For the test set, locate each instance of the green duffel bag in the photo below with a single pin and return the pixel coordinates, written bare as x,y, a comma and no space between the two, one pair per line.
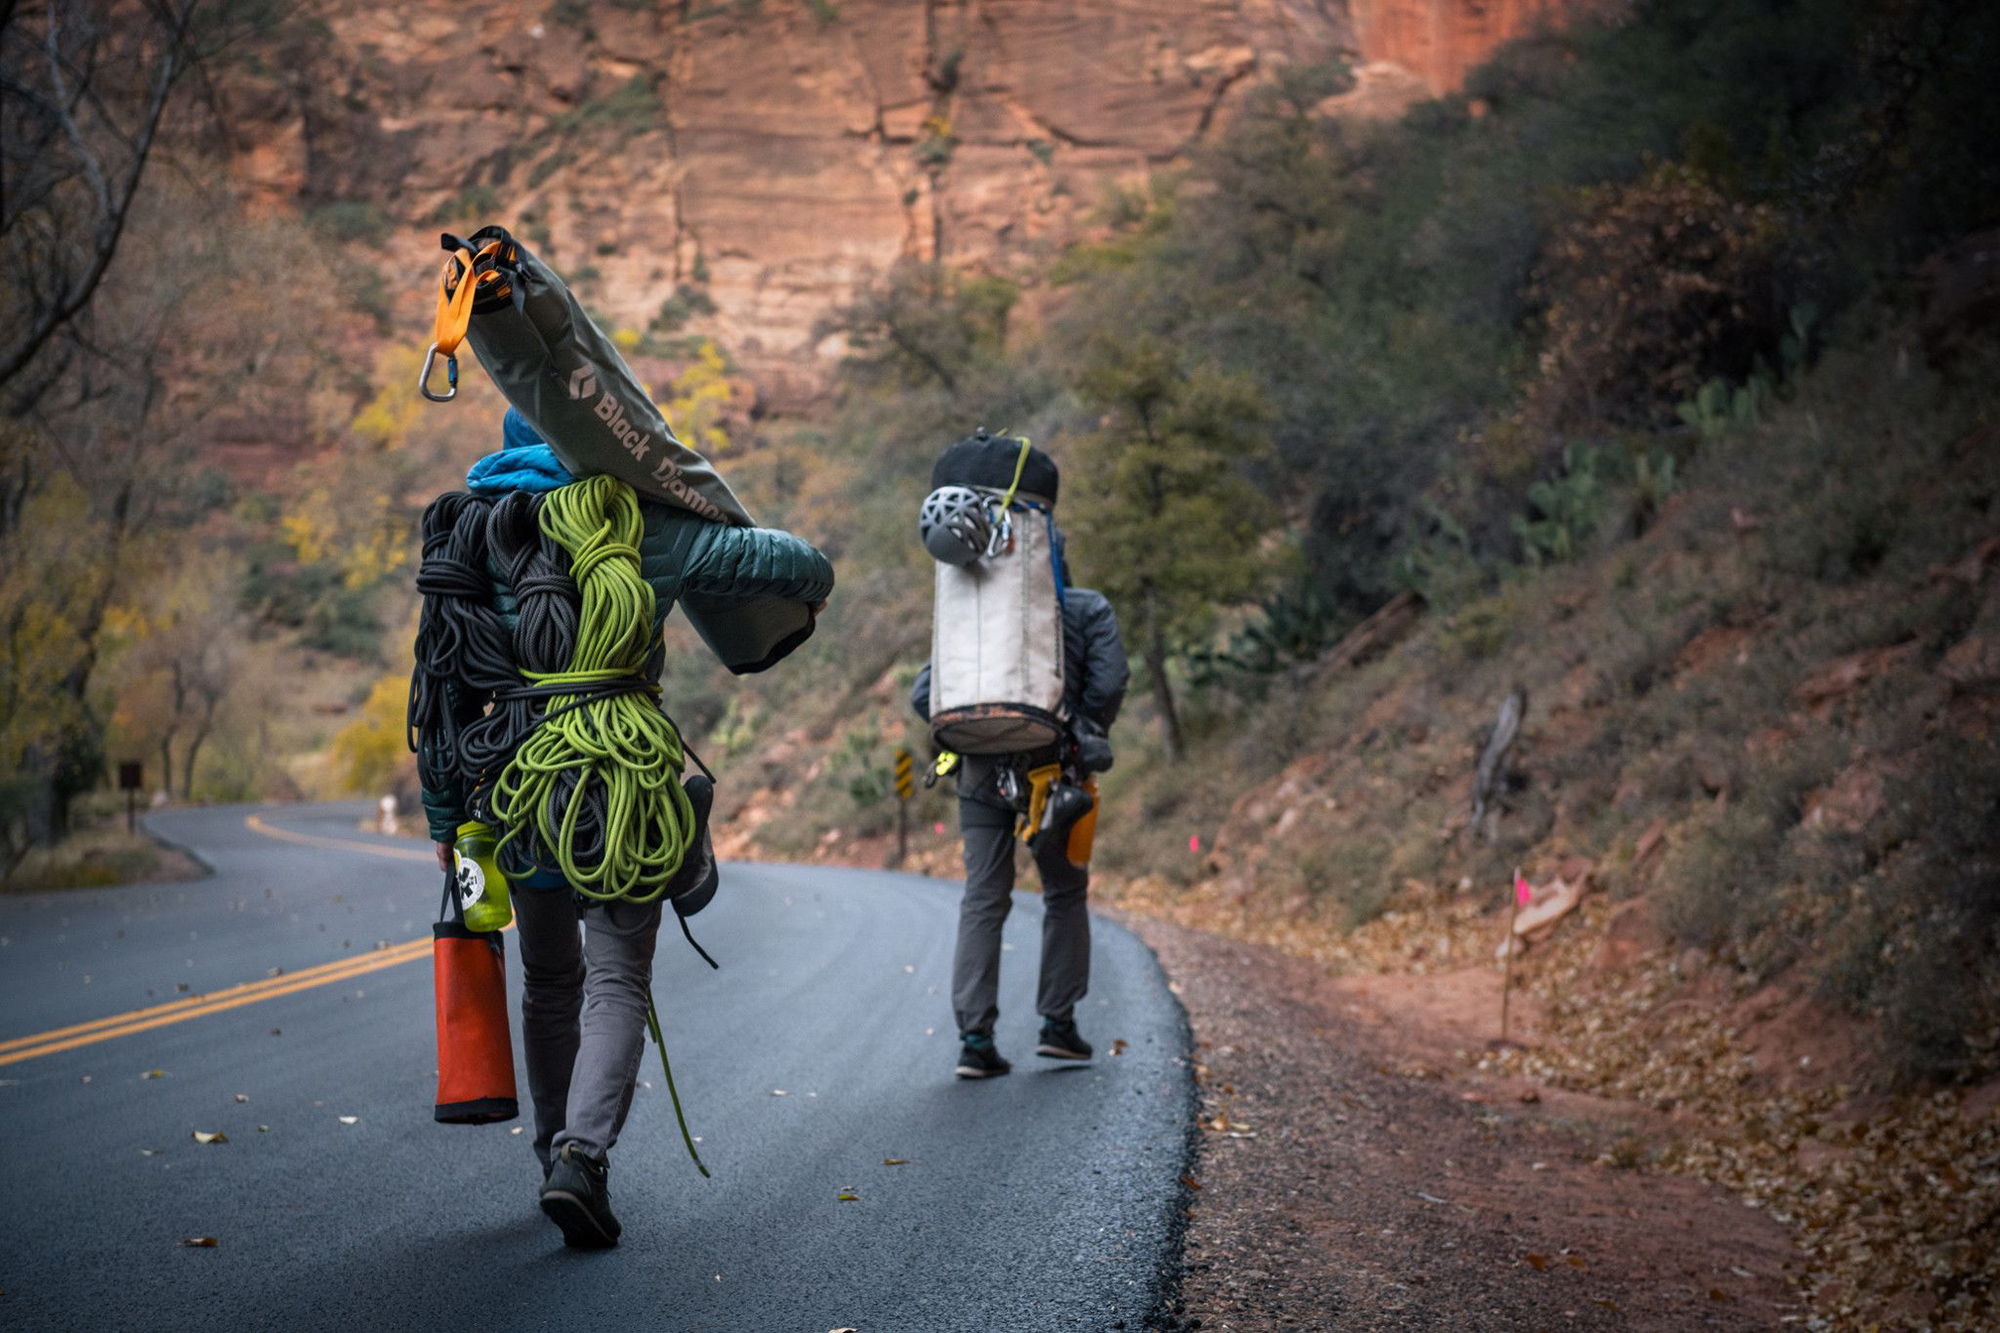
560,372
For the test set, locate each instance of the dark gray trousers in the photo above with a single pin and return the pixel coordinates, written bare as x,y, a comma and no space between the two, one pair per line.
583,1014
989,885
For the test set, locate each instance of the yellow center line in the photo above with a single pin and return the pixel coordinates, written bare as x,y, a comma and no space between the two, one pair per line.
144,1020
309,976
69,1038
256,824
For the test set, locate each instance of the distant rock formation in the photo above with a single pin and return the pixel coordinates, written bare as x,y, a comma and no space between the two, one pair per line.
761,158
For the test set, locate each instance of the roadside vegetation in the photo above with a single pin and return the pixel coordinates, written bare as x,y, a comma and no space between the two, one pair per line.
1656,369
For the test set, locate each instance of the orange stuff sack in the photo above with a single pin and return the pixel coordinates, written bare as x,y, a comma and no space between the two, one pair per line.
475,1047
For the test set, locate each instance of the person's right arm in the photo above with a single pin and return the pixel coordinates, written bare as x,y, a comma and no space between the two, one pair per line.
920,694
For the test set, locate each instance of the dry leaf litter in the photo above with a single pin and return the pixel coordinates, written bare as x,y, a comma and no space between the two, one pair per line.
1897,1213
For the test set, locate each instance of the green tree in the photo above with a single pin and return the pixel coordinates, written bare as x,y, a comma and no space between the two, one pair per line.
1173,527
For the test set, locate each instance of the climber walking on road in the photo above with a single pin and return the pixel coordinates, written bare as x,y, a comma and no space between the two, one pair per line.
1026,679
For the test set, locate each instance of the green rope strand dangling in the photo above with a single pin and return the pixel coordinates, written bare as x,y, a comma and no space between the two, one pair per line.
599,780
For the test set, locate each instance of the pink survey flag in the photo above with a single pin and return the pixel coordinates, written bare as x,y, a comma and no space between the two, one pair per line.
1521,890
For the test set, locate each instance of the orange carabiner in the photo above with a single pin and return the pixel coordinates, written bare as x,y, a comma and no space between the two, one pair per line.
458,284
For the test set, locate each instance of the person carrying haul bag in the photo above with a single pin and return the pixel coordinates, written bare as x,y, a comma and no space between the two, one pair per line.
1026,677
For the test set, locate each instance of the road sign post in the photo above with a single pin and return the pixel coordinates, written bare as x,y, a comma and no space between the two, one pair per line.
906,786
131,777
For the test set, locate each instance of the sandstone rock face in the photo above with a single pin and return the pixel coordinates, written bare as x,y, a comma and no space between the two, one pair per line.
770,156
1439,40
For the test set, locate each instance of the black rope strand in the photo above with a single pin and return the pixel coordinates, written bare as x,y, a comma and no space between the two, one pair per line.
462,653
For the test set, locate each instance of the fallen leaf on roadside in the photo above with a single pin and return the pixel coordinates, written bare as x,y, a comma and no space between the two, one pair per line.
1572,1261
1537,1262
154,1073
895,1161
779,1092
202,1242
350,1120
1118,1046
848,1196
1717,1294
241,1098
1609,1304
843,1330
515,1130
263,1129
210,1136
1190,1182
151,1152
1530,1097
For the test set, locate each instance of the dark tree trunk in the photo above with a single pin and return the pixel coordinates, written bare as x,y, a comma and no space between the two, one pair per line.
1155,654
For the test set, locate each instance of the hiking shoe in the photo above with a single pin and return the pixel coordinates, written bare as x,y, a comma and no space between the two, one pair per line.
1061,1041
578,1200
979,1058
694,884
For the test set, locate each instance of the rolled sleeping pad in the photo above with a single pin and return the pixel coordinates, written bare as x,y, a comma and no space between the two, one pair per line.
475,1046
559,370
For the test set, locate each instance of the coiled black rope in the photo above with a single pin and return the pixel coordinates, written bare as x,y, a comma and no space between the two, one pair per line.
546,605
463,655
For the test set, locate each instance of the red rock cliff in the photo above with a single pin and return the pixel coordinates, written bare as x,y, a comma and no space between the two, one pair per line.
776,154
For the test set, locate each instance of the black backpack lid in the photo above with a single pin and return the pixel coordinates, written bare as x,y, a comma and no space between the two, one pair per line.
987,460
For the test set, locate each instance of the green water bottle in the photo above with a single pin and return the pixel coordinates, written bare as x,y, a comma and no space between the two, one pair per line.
482,889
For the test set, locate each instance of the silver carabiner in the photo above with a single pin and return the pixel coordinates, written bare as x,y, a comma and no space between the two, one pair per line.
1001,536
450,375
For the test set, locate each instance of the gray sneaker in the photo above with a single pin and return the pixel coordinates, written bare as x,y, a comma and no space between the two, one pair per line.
578,1199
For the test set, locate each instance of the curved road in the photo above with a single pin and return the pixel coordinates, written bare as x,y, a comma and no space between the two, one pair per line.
1043,1201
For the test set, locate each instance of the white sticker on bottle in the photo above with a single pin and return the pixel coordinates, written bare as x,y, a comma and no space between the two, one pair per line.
471,881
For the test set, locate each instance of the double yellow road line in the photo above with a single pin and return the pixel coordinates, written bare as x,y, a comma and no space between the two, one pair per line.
234,997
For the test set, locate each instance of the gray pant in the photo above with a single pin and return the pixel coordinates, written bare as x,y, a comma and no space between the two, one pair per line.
583,1014
989,884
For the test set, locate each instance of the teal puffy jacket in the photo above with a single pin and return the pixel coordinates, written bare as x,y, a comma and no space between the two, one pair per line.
685,556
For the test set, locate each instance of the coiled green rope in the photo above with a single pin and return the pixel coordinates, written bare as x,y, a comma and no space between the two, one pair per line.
599,780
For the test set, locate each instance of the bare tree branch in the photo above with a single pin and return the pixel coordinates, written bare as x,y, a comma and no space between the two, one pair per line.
56,307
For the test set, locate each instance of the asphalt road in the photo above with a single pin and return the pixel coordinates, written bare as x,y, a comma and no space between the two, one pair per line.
1042,1201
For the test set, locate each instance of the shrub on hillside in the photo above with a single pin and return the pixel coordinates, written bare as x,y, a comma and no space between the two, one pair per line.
1647,291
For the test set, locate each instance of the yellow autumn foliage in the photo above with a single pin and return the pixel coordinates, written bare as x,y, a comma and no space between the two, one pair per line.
701,399
367,750
385,422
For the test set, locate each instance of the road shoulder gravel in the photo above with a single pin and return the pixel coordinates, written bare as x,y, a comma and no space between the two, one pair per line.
1341,1183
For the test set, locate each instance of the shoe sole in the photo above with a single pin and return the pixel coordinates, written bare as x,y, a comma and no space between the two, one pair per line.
973,1071
579,1227
1058,1053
